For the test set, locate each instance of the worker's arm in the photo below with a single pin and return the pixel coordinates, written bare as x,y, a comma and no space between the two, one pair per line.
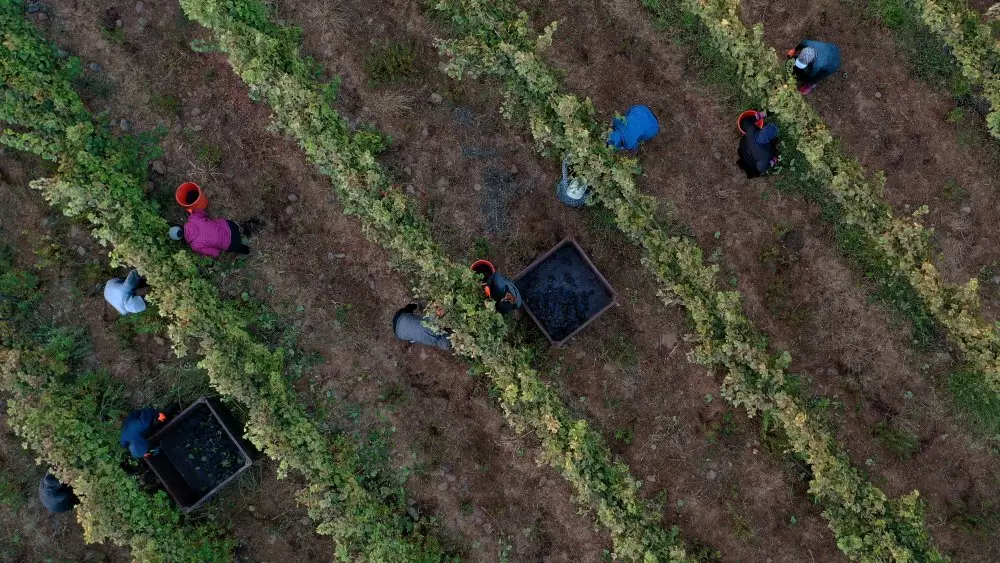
132,281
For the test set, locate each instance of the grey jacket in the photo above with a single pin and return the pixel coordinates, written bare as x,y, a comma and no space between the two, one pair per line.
411,328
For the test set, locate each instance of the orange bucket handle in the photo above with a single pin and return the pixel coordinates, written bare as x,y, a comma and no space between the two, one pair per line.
759,121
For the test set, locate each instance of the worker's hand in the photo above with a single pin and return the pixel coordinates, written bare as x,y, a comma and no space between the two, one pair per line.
162,417
790,52
509,298
438,311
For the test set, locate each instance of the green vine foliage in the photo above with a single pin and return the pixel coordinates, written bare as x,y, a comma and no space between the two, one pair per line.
903,244
494,40
100,178
266,57
57,413
973,45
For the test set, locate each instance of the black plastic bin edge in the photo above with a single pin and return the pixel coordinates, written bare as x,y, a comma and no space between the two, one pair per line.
590,264
228,424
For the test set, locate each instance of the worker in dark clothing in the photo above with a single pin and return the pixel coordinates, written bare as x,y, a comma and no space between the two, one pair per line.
138,425
410,327
814,61
504,293
638,125
758,150
55,495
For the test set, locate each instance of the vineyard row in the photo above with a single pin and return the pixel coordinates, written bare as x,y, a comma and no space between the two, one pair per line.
267,58
494,40
903,245
100,178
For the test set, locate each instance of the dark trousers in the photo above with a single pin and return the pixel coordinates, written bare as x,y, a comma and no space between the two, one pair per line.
236,243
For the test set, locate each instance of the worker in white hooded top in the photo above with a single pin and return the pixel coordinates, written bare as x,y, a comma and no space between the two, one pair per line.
123,295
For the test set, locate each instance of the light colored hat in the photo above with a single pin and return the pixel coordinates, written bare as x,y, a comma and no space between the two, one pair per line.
805,57
176,233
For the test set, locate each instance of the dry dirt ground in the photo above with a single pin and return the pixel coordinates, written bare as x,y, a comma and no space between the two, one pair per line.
722,481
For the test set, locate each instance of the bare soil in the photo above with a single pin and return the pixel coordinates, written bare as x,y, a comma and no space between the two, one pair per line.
722,481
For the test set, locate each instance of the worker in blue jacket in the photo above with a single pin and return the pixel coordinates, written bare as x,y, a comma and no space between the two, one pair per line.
814,61
138,425
758,149
638,125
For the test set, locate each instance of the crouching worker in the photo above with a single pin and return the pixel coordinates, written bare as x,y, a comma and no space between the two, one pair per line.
138,425
123,294
814,61
210,237
55,495
504,293
638,125
410,327
758,149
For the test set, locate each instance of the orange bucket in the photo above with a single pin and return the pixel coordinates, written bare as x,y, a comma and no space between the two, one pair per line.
190,197
485,269
748,113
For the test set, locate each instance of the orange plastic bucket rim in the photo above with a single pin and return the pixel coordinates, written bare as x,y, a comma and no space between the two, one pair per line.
744,115
183,197
484,267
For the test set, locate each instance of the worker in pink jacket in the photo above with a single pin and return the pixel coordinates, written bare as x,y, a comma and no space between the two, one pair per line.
210,237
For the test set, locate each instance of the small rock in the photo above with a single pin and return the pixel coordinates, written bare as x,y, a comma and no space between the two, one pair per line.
252,508
81,251
436,98
442,183
271,539
331,256
124,125
195,112
289,210
451,478
371,285
410,501
425,132
63,53
75,231
609,367
138,7
878,95
423,355
408,171
197,128
94,67
340,256
478,187
305,521
514,170
141,22
717,155
410,189
160,342
966,209
668,340
412,511
293,198
443,487
41,17
159,167
995,279
118,23
711,475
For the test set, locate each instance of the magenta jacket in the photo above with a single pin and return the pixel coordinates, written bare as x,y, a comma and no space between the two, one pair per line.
206,236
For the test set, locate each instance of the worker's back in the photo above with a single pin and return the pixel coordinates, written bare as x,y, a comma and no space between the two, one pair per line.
409,327
827,59
56,496
638,125
757,151
134,429
207,236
